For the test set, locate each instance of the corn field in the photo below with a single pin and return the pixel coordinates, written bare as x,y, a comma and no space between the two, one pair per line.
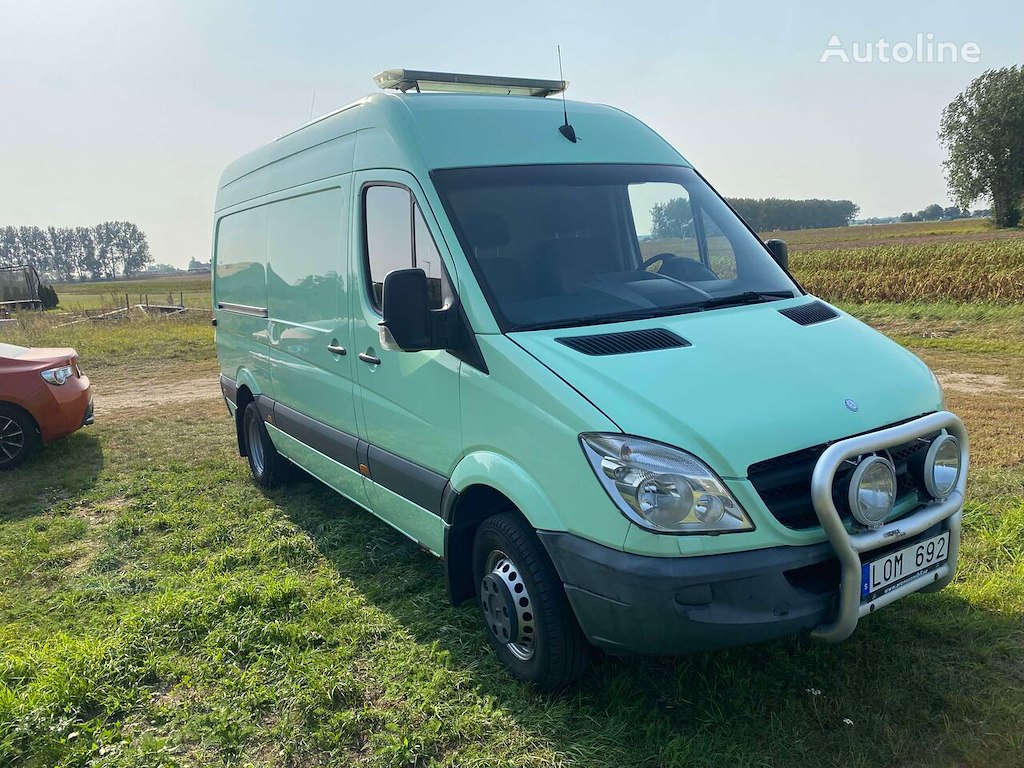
969,270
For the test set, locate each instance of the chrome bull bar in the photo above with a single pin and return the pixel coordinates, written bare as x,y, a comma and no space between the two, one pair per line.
850,546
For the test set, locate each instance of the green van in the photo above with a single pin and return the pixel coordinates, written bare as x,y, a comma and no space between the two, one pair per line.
532,338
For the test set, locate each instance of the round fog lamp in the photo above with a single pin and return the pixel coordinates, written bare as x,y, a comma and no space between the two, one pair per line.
942,466
872,490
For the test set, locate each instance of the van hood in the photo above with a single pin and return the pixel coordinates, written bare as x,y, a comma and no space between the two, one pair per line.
753,385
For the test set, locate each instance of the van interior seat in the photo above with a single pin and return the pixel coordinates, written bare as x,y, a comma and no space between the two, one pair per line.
576,250
489,234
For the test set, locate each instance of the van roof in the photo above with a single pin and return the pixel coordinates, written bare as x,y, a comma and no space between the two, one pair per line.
428,131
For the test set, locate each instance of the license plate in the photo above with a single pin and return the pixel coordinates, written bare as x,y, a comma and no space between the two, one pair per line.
887,573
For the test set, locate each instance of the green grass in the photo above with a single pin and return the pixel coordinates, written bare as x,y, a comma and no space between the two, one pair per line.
194,290
114,344
157,609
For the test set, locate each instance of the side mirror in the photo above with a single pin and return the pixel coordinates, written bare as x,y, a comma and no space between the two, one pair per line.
407,321
779,251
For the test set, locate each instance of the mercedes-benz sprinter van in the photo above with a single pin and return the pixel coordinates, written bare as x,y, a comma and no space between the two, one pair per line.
539,344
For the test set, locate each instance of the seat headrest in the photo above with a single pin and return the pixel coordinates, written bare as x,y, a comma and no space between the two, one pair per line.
486,230
569,218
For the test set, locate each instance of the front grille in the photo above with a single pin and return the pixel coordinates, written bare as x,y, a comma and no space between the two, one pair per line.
784,482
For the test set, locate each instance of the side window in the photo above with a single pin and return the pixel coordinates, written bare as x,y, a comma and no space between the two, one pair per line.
304,239
388,234
397,237
721,255
427,258
242,258
664,222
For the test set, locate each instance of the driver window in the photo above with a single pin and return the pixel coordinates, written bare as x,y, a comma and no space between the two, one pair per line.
664,223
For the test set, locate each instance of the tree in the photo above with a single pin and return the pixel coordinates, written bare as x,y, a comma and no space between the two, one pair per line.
983,130
48,296
108,250
671,219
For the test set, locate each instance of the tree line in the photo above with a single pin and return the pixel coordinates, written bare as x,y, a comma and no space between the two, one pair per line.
105,251
936,212
673,218
775,213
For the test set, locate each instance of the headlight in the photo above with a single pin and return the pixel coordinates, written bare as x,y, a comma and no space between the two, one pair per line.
661,488
872,490
941,469
58,376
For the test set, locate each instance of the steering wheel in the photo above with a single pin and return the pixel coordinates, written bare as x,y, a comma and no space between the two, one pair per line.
692,269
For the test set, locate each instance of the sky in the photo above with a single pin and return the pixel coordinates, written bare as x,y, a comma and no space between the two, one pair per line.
130,110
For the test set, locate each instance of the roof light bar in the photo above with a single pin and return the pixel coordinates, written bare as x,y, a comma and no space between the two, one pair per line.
418,80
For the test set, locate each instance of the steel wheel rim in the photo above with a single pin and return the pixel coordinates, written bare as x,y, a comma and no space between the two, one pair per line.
253,438
501,567
12,439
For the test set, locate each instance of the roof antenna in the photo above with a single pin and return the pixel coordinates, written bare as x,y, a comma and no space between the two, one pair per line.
565,129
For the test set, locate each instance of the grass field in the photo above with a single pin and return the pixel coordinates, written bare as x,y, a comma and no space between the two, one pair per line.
157,609
193,290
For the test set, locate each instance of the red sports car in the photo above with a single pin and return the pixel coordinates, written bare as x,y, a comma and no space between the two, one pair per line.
43,396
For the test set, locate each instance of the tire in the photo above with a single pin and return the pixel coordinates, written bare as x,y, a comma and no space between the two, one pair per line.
19,438
269,468
528,619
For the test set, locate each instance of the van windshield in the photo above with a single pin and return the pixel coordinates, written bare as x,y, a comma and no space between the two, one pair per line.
555,246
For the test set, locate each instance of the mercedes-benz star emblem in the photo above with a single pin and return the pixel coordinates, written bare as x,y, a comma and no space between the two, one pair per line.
852,404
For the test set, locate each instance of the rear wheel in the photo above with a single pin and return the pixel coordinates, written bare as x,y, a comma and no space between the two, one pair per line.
18,437
269,468
530,624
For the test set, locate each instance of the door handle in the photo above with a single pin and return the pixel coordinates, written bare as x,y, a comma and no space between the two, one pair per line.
336,349
367,358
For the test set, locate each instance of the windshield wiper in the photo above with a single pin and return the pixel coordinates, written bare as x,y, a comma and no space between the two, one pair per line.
747,297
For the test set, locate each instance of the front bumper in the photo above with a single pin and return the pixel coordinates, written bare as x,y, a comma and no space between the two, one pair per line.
628,603
89,418
636,603
59,411
850,545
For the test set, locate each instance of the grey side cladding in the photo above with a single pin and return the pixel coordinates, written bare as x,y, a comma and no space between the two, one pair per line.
420,485
229,389
338,445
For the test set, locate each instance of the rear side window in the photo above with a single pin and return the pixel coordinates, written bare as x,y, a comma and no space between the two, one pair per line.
242,259
304,256
397,237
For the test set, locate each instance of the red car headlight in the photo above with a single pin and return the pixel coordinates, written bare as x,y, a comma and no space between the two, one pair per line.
58,376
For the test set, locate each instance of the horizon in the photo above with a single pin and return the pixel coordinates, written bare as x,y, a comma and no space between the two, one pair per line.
131,111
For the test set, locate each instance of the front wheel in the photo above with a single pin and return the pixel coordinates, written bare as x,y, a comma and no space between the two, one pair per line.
530,624
18,437
269,468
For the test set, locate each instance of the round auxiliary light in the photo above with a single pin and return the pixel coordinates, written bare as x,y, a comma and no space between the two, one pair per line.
873,490
942,466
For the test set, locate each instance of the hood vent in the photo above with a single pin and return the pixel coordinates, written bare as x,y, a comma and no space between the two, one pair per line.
809,314
624,343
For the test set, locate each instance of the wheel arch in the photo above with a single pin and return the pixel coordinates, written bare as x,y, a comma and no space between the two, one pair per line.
22,409
246,392
483,485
